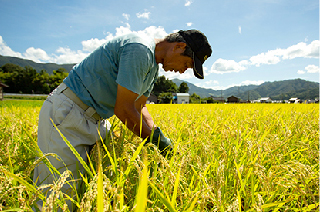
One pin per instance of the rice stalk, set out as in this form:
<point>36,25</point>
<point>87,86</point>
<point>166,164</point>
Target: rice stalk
<point>141,198</point>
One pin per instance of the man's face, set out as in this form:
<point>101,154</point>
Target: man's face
<point>175,61</point>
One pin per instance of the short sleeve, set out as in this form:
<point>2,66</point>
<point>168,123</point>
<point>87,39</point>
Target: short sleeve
<point>133,67</point>
<point>148,92</point>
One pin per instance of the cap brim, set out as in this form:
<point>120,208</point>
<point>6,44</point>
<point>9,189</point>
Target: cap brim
<point>197,68</point>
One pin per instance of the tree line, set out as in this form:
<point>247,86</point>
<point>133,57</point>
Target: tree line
<point>28,80</point>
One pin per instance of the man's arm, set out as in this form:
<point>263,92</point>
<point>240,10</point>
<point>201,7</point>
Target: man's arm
<point>140,105</point>
<point>127,109</point>
<point>130,110</point>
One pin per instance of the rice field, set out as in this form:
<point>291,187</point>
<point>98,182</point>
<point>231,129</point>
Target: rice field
<point>237,157</point>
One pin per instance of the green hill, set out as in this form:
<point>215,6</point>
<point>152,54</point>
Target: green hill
<point>277,90</point>
<point>281,90</point>
<point>49,67</point>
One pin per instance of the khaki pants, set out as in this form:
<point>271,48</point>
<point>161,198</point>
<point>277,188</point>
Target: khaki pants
<point>78,128</point>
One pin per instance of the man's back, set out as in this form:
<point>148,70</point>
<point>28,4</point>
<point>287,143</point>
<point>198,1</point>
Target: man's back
<point>125,60</point>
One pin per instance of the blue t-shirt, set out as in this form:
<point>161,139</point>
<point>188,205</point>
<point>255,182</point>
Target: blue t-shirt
<point>125,60</point>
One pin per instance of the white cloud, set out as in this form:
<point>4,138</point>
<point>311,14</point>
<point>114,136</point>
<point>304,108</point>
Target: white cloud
<point>294,51</point>
<point>69,56</point>
<point>312,69</point>
<point>37,55</point>
<point>271,57</point>
<point>153,31</point>
<point>302,50</point>
<point>189,24</point>
<point>126,16</point>
<point>188,3</point>
<point>227,66</point>
<point>171,75</point>
<point>66,55</point>
<point>6,50</point>
<point>92,44</point>
<point>143,15</point>
<point>122,30</point>
<point>205,71</point>
<point>239,29</point>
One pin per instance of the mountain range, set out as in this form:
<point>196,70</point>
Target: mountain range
<point>277,90</point>
<point>49,67</point>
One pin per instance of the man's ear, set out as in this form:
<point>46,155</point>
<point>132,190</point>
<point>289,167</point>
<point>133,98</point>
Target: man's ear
<point>180,46</point>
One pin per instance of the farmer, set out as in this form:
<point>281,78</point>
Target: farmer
<point>115,79</point>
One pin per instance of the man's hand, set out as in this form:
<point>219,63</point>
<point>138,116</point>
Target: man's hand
<point>163,143</point>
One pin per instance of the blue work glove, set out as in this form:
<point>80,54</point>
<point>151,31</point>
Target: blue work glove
<point>162,142</point>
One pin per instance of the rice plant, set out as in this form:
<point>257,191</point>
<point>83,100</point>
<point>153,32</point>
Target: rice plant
<point>250,157</point>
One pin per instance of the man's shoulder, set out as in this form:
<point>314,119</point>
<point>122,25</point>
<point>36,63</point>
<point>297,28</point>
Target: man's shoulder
<point>139,38</point>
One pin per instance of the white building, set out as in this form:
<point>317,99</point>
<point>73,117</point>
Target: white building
<point>294,100</point>
<point>265,100</point>
<point>181,98</point>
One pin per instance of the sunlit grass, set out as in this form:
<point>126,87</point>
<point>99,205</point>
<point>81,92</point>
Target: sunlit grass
<point>246,157</point>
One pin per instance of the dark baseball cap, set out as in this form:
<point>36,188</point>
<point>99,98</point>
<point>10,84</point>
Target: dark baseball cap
<point>201,49</point>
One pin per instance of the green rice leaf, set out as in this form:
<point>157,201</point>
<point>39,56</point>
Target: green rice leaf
<point>141,198</point>
<point>100,182</point>
<point>175,189</point>
<point>165,201</point>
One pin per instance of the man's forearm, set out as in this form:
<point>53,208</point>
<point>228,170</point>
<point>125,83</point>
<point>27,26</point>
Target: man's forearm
<point>130,110</point>
<point>147,118</point>
<point>131,117</point>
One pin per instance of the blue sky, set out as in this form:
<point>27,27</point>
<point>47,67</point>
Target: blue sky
<point>253,41</point>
